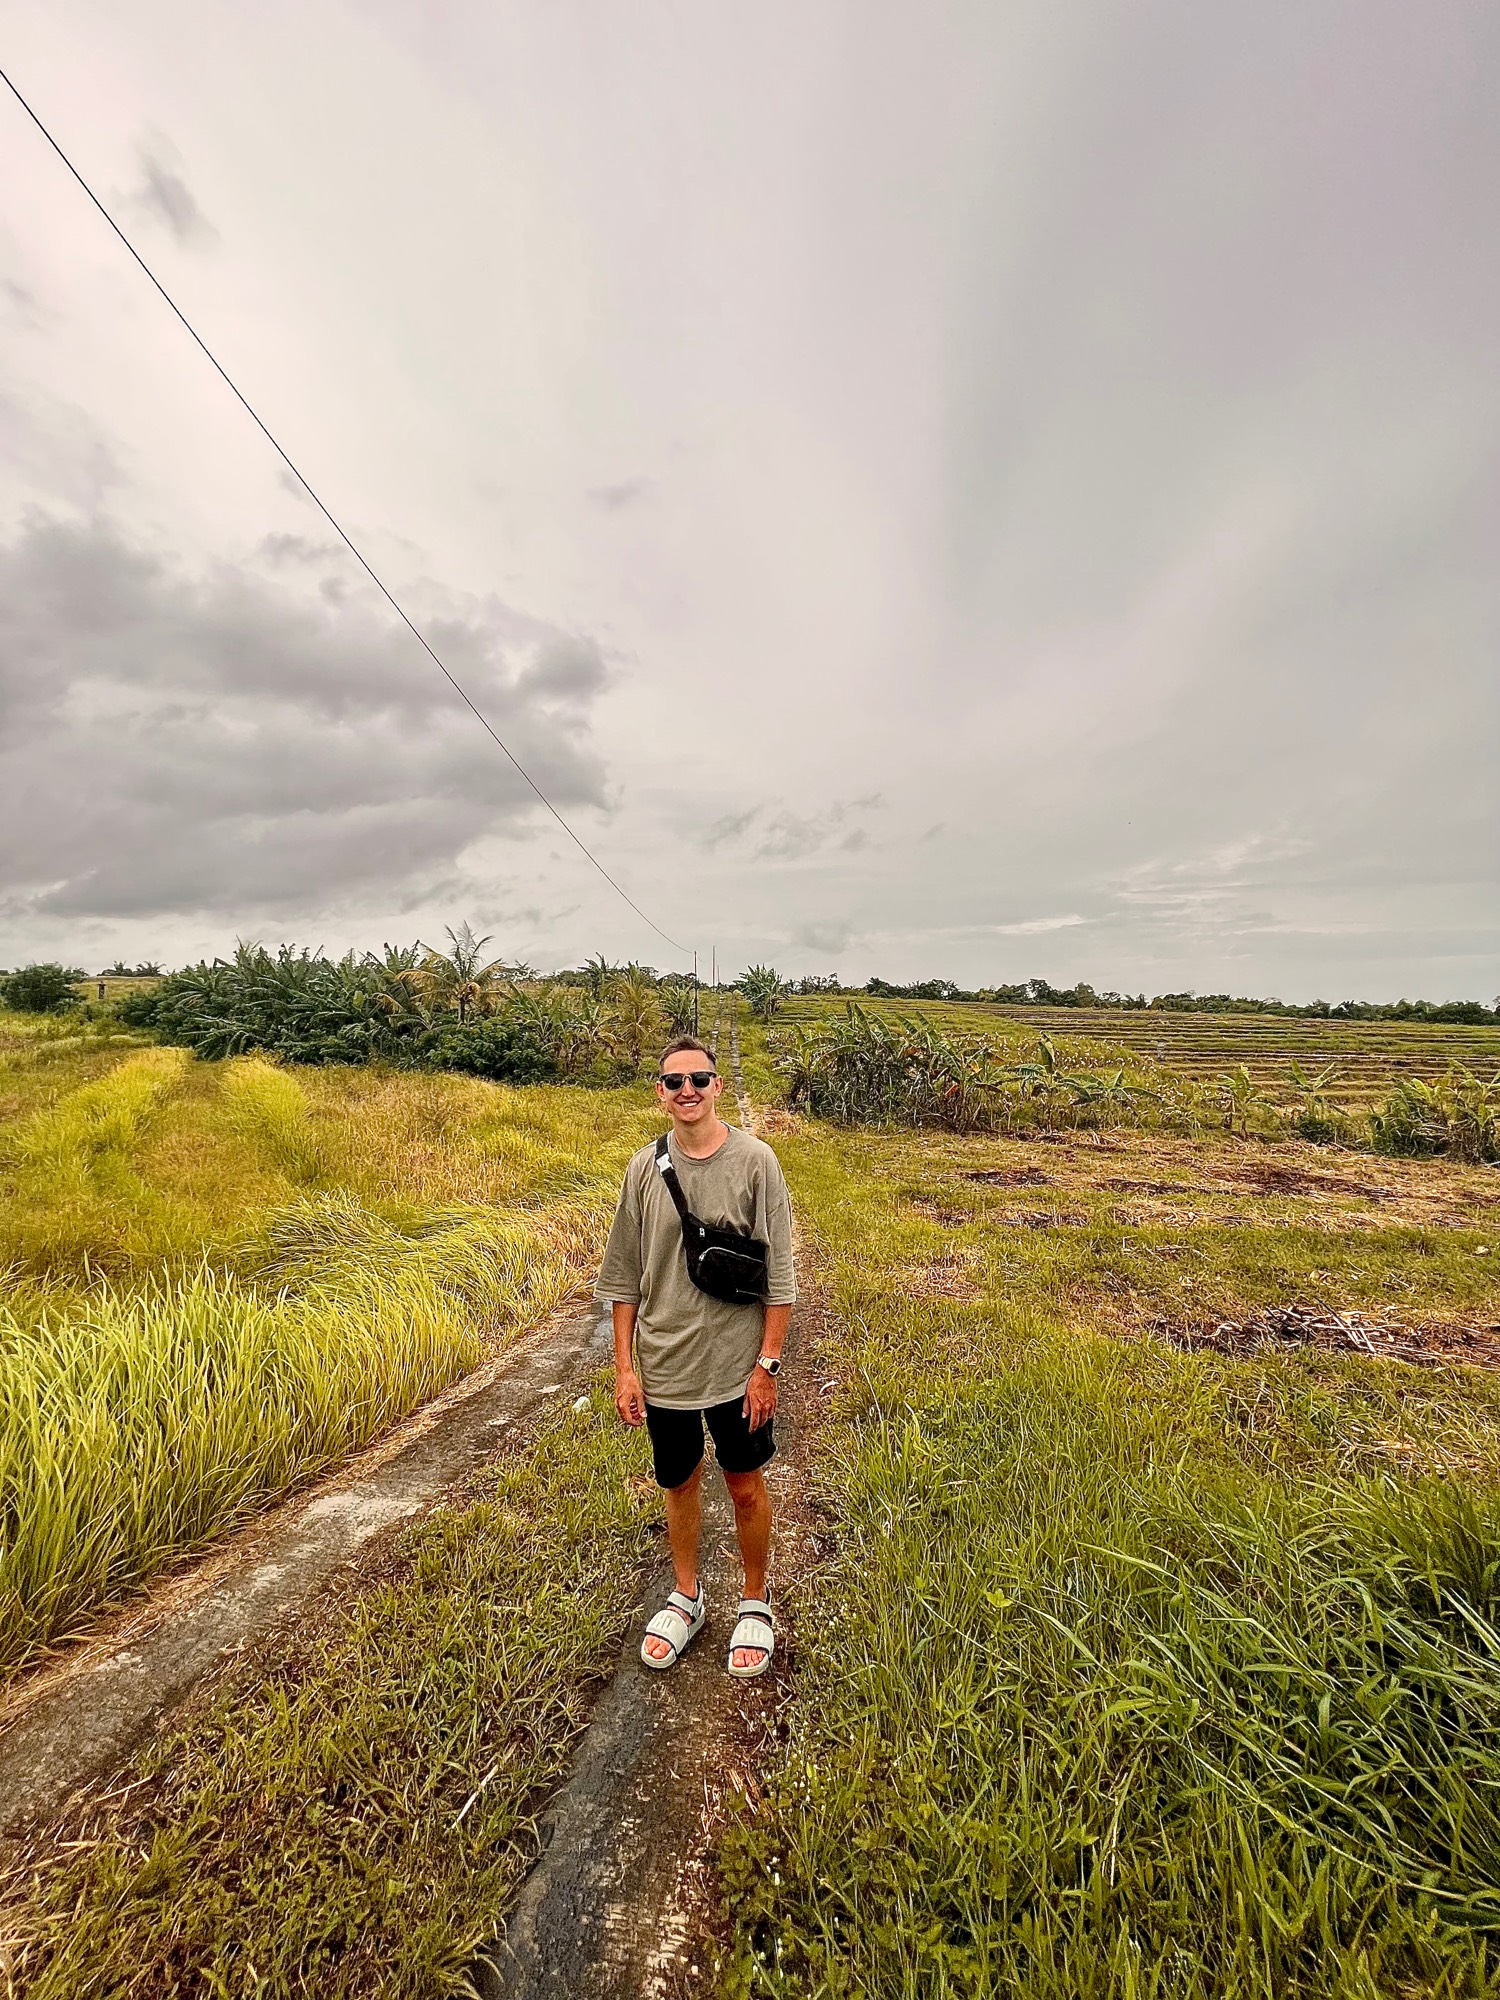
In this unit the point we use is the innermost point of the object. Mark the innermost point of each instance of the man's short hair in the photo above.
(687, 1042)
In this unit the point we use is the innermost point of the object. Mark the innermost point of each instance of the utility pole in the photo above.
(695, 993)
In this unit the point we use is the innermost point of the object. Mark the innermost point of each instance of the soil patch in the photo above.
(1273, 1178)
(1441, 1343)
(1011, 1177)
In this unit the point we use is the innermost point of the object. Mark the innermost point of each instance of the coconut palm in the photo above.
(635, 1021)
(461, 978)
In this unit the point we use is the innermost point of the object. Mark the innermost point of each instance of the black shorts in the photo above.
(677, 1440)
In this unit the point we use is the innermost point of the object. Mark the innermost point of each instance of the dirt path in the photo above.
(68, 1725)
(619, 1904)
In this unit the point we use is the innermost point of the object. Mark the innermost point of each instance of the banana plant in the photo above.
(1239, 1099)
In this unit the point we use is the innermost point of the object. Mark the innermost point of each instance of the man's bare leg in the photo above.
(752, 1524)
(684, 1526)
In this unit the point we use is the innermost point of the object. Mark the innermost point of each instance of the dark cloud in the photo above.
(166, 196)
(175, 744)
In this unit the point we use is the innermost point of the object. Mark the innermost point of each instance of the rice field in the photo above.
(1366, 1055)
(221, 1277)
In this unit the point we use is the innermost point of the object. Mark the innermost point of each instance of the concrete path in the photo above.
(71, 1726)
(615, 1907)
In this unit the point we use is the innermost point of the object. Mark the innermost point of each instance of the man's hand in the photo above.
(630, 1399)
(760, 1397)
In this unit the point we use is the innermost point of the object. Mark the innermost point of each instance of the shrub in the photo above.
(500, 1047)
(1458, 1115)
(765, 989)
(41, 989)
(864, 1070)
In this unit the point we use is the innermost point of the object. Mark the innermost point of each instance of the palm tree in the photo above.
(462, 978)
(636, 1021)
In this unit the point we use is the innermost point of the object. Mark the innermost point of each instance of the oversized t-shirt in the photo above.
(693, 1351)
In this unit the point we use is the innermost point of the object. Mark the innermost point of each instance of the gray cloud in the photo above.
(623, 494)
(19, 306)
(165, 196)
(831, 934)
(221, 746)
(776, 833)
(298, 549)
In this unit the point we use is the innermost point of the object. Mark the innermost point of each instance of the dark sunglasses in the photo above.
(673, 1079)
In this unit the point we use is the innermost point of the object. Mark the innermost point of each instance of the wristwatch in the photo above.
(770, 1362)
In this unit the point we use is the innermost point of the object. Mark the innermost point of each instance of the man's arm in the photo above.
(630, 1399)
(760, 1390)
(778, 1319)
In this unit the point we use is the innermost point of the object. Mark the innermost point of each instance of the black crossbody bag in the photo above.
(721, 1262)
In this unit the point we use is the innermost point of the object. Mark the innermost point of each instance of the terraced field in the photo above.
(1369, 1054)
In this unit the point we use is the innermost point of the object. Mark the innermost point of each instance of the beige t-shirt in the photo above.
(693, 1351)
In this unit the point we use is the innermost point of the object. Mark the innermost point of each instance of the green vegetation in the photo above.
(351, 1820)
(884, 1067)
(1459, 1114)
(765, 989)
(422, 1009)
(223, 1276)
(40, 989)
(869, 1069)
(1032, 993)
(1134, 1672)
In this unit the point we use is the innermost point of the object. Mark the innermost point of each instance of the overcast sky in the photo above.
(966, 489)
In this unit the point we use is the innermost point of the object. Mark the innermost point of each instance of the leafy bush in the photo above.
(41, 989)
(418, 1009)
(1458, 1115)
(867, 1070)
(765, 989)
(504, 1050)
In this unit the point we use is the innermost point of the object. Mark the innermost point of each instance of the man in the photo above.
(683, 1358)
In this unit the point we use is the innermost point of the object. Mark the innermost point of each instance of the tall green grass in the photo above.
(223, 1275)
(1130, 1674)
(137, 1421)
(349, 1819)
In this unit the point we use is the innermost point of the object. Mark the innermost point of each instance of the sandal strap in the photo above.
(756, 1607)
(678, 1600)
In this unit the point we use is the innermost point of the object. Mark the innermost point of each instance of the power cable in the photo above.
(348, 541)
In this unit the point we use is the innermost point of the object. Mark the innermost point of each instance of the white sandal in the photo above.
(753, 1632)
(678, 1622)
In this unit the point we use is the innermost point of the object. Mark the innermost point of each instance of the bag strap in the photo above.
(669, 1174)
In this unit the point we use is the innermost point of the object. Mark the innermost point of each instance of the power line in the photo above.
(348, 541)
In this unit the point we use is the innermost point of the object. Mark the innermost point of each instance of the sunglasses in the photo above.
(673, 1079)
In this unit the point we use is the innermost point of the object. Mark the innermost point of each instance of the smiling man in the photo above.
(699, 1275)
